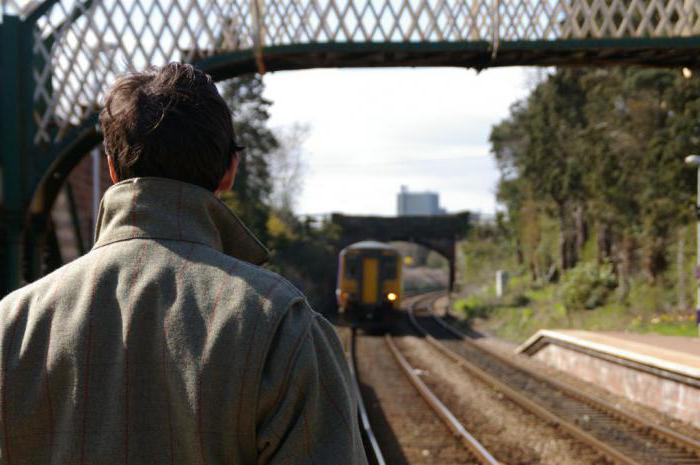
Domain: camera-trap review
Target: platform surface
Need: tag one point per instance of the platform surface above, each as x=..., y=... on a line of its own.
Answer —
x=672, y=353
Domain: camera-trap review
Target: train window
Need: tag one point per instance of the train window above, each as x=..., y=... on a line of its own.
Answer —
x=352, y=266
x=389, y=267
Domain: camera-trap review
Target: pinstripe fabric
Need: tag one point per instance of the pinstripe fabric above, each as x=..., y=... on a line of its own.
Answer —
x=163, y=345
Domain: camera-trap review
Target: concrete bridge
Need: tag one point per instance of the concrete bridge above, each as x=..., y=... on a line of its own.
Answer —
x=58, y=56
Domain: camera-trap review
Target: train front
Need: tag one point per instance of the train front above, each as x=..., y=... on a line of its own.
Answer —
x=369, y=284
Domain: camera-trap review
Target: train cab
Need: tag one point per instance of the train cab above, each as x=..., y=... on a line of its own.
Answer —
x=369, y=284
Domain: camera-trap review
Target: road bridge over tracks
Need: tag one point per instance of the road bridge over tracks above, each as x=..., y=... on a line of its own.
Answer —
x=58, y=56
x=438, y=233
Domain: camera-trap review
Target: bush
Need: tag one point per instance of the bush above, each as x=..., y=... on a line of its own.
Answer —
x=472, y=307
x=587, y=286
x=516, y=300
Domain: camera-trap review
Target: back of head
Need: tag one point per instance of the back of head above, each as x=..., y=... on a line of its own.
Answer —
x=168, y=122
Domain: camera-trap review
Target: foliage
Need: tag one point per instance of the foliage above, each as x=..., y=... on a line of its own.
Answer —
x=662, y=307
x=304, y=252
x=253, y=186
x=473, y=306
x=596, y=193
x=587, y=285
x=287, y=166
x=599, y=153
x=544, y=309
x=483, y=253
x=268, y=179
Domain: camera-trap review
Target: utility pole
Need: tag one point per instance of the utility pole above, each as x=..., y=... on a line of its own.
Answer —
x=694, y=160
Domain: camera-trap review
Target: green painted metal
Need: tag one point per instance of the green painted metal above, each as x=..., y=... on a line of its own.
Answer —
x=661, y=43
x=40, y=10
x=16, y=148
x=658, y=43
x=11, y=133
x=677, y=51
x=24, y=165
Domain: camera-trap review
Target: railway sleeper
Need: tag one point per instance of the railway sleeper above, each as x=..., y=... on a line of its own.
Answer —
x=618, y=454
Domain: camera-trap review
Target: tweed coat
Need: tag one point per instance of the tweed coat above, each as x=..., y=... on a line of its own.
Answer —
x=164, y=345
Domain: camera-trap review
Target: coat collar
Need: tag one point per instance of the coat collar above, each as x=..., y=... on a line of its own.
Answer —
x=160, y=208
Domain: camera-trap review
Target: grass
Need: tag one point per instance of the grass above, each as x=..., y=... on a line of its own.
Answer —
x=525, y=310
x=680, y=326
x=587, y=297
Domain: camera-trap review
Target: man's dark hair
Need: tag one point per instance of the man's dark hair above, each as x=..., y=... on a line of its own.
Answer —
x=168, y=122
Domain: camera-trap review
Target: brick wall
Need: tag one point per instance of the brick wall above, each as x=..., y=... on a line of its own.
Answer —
x=672, y=397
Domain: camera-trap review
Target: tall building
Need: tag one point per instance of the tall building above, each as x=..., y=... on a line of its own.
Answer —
x=418, y=203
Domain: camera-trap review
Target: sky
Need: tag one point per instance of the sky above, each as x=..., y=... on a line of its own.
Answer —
x=373, y=130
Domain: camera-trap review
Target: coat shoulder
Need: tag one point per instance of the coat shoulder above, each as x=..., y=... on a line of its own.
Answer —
x=275, y=292
x=240, y=289
x=29, y=295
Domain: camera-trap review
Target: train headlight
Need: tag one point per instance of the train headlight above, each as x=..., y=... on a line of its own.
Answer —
x=391, y=297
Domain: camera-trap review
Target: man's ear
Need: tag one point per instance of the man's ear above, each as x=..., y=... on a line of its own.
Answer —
x=226, y=182
x=112, y=171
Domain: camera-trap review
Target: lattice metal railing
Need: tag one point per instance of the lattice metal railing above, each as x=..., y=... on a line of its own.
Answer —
x=79, y=46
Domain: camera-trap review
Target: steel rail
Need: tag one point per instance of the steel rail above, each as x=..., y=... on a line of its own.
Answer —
x=662, y=432
x=450, y=420
x=372, y=445
x=657, y=431
x=523, y=401
x=474, y=446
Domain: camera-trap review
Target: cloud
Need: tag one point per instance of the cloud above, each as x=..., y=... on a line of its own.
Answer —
x=373, y=130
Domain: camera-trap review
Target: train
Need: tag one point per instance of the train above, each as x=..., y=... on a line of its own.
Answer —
x=369, y=287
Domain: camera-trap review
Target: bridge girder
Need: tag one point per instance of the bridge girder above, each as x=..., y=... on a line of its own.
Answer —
x=477, y=55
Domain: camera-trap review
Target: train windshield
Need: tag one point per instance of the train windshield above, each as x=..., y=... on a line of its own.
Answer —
x=389, y=267
x=352, y=266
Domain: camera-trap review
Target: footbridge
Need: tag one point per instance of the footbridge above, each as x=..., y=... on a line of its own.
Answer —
x=58, y=56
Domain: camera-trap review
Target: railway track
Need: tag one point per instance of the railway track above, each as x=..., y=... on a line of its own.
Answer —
x=413, y=426
x=619, y=436
x=375, y=456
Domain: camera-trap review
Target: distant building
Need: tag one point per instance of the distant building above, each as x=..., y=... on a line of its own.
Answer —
x=418, y=203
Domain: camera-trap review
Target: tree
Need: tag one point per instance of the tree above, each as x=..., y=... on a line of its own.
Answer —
x=268, y=181
x=601, y=147
x=250, y=198
x=287, y=166
x=538, y=145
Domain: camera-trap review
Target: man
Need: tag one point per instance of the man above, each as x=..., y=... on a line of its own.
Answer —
x=164, y=344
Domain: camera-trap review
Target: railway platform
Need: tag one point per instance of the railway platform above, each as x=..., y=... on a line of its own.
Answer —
x=662, y=372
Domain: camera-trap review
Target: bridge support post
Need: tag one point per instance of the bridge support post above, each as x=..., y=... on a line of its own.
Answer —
x=452, y=260
x=15, y=144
